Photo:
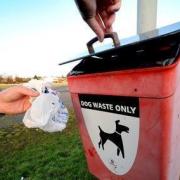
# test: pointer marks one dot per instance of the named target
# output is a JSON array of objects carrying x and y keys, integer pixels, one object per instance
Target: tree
[
  {"x": 1, "y": 79},
  {"x": 37, "y": 77},
  {"x": 9, "y": 80}
]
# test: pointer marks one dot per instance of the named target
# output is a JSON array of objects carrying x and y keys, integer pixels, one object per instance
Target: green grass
[{"x": 34, "y": 154}]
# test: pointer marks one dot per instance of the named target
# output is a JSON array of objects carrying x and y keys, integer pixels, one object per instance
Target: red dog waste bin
[{"x": 127, "y": 103}]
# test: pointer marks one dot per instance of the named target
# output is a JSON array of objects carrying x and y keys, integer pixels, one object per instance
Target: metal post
[{"x": 146, "y": 15}]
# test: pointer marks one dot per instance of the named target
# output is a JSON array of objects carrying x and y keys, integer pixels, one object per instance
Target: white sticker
[{"x": 113, "y": 126}]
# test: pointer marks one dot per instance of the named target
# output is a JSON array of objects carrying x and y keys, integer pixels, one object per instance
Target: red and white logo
[{"x": 113, "y": 126}]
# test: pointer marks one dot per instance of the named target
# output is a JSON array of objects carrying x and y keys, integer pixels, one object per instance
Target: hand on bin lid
[
  {"x": 155, "y": 51},
  {"x": 141, "y": 51}
]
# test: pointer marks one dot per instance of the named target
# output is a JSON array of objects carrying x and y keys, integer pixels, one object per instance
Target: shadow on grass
[{"x": 34, "y": 154}]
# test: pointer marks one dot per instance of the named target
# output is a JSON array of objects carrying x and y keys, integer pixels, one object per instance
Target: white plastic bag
[
  {"x": 39, "y": 85},
  {"x": 47, "y": 111}
]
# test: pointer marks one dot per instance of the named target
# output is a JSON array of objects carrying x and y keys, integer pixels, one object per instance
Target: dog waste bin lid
[{"x": 159, "y": 47}]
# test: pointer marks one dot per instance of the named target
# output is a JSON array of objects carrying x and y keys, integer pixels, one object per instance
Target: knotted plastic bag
[{"x": 47, "y": 111}]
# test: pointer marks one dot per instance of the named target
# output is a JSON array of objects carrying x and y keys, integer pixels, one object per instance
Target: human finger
[
  {"x": 92, "y": 22},
  {"x": 109, "y": 30},
  {"x": 114, "y": 7},
  {"x": 100, "y": 22},
  {"x": 109, "y": 21},
  {"x": 27, "y": 105},
  {"x": 27, "y": 91},
  {"x": 87, "y": 8}
]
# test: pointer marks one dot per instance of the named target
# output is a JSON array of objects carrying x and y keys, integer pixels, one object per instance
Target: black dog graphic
[{"x": 115, "y": 137}]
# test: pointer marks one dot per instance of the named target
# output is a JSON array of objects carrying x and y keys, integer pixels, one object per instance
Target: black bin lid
[{"x": 159, "y": 47}]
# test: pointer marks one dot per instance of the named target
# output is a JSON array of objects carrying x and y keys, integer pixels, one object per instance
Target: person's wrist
[{"x": 2, "y": 114}]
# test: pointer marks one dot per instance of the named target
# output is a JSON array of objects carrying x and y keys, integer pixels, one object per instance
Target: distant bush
[
  {"x": 60, "y": 79},
  {"x": 8, "y": 79},
  {"x": 13, "y": 80}
]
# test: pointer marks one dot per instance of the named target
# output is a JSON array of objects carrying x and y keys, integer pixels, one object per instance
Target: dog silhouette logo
[{"x": 115, "y": 137}]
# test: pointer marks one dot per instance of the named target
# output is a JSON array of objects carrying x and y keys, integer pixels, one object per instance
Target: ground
[{"x": 34, "y": 154}]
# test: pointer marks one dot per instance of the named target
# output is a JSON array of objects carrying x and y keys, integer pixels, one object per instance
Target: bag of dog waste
[{"x": 47, "y": 111}]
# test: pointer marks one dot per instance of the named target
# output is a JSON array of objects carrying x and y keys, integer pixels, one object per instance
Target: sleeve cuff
[{"x": 2, "y": 114}]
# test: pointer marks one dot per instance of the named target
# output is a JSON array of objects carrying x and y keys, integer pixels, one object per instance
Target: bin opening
[{"x": 159, "y": 51}]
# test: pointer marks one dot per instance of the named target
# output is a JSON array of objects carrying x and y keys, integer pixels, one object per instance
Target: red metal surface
[{"x": 158, "y": 89}]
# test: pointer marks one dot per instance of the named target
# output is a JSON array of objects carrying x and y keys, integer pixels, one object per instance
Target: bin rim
[{"x": 131, "y": 71}]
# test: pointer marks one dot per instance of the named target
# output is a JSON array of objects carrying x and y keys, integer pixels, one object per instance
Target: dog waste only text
[{"x": 109, "y": 107}]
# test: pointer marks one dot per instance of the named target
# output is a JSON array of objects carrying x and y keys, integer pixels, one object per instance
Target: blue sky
[{"x": 36, "y": 35}]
